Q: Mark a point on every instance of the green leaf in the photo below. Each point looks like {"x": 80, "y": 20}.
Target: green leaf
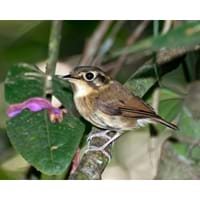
{"x": 190, "y": 115}
{"x": 144, "y": 78}
{"x": 189, "y": 120}
{"x": 192, "y": 65}
{"x": 22, "y": 82}
{"x": 170, "y": 105}
{"x": 188, "y": 125}
{"x": 141, "y": 81}
{"x": 48, "y": 147}
{"x": 175, "y": 81}
{"x": 170, "y": 108}
{"x": 185, "y": 35}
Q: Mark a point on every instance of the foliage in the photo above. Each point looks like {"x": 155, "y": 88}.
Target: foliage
{"x": 39, "y": 141}
{"x": 50, "y": 147}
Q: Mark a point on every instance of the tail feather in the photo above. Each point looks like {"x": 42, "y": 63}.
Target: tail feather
{"x": 165, "y": 123}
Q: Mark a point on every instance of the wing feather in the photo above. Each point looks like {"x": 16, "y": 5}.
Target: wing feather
{"x": 117, "y": 100}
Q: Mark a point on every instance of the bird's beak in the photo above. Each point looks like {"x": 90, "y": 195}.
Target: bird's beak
{"x": 65, "y": 77}
{"x": 68, "y": 77}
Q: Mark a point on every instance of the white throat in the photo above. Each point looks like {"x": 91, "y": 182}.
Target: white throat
{"x": 81, "y": 89}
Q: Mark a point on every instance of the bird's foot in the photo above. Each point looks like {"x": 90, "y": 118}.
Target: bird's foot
{"x": 101, "y": 149}
{"x": 104, "y": 146}
{"x": 99, "y": 134}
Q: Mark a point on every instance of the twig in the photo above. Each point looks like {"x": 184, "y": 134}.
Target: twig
{"x": 94, "y": 42}
{"x": 156, "y": 94}
{"x": 108, "y": 43}
{"x": 156, "y": 99}
{"x": 186, "y": 139}
{"x": 166, "y": 27}
{"x": 155, "y": 34}
{"x": 166, "y": 55}
{"x": 192, "y": 142}
{"x": 130, "y": 41}
{"x": 54, "y": 43}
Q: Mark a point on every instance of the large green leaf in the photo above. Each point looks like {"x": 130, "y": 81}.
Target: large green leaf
{"x": 144, "y": 78}
{"x": 185, "y": 35}
{"x": 189, "y": 121}
{"x": 190, "y": 115}
{"x": 170, "y": 105}
{"x": 48, "y": 147}
{"x": 188, "y": 125}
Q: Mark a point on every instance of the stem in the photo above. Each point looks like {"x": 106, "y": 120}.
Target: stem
{"x": 108, "y": 43}
{"x": 166, "y": 27}
{"x": 130, "y": 41}
{"x": 54, "y": 43}
{"x": 155, "y": 34}
{"x": 94, "y": 42}
{"x": 155, "y": 28}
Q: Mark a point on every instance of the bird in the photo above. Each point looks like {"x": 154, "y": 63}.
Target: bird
{"x": 109, "y": 105}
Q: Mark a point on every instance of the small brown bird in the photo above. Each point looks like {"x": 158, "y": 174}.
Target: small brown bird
{"x": 107, "y": 104}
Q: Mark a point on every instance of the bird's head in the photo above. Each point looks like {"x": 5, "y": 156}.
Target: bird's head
{"x": 87, "y": 79}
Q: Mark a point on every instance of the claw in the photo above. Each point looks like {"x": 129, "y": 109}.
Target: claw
{"x": 103, "y": 134}
{"x": 100, "y": 134}
{"x": 101, "y": 149}
{"x": 36, "y": 104}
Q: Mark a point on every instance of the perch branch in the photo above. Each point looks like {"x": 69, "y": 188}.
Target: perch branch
{"x": 92, "y": 163}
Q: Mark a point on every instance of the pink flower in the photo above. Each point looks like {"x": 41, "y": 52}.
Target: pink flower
{"x": 36, "y": 104}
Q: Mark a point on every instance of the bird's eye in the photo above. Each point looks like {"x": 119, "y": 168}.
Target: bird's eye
{"x": 89, "y": 76}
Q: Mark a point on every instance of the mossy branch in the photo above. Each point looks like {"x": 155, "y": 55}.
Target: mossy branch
{"x": 93, "y": 163}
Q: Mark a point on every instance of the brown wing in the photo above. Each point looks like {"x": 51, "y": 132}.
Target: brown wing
{"x": 117, "y": 100}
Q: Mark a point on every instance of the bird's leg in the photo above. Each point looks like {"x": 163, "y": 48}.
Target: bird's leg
{"x": 117, "y": 135}
{"x": 100, "y": 134}
{"x": 103, "y": 147}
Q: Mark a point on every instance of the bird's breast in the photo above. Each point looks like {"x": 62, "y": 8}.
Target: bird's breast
{"x": 89, "y": 111}
{"x": 83, "y": 105}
